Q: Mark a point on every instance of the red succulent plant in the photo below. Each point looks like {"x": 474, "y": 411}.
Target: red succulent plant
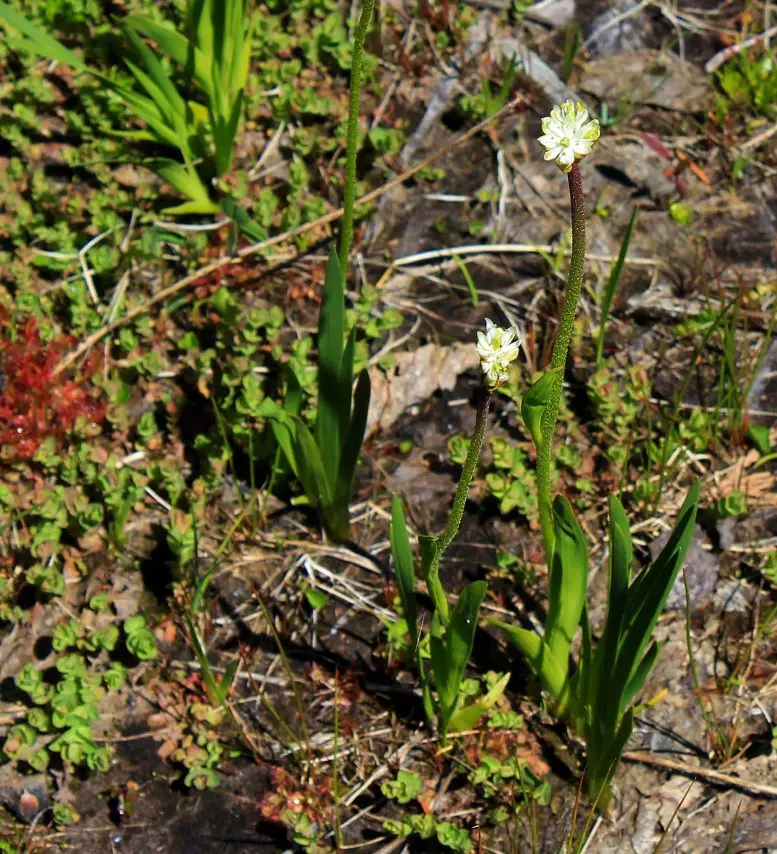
{"x": 36, "y": 402}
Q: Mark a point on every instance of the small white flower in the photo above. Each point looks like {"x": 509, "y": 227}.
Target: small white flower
{"x": 568, "y": 135}
{"x": 497, "y": 348}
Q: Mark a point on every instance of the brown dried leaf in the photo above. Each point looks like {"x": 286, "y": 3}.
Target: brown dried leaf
{"x": 418, "y": 375}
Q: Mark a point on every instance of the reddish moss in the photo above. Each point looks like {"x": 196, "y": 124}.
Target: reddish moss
{"x": 35, "y": 403}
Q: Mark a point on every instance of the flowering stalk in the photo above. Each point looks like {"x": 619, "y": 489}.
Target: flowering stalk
{"x": 560, "y": 350}
{"x": 352, "y": 131}
{"x": 496, "y": 348}
{"x": 568, "y": 136}
{"x": 467, "y": 473}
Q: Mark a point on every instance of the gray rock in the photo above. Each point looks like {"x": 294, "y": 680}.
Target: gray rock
{"x": 618, "y": 28}
{"x": 701, "y": 570}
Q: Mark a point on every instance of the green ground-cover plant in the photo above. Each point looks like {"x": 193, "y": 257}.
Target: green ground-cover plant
{"x": 63, "y": 710}
{"x": 404, "y": 789}
{"x": 214, "y": 55}
{"x": 748, "y": 85}
{"x": 597, "y": 695}
{"x": 487, "y": 102}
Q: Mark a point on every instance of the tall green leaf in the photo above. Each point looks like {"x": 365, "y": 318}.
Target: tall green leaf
{"x": 605, "y": 657}
{"x": 535, "y": 402}
{"x": 331, "y": 330}
{"x": 648, "y": 594}
{"x": 37, "y": 41}
{"x": 311, "y": 468}
{"x": 459, "y": 637}
{"x": 568, "y": 582}
{"x": 352, "y": 441}
{"x": 603, "y": 764}
{"x": 641, "y": 673}
{"x": 345, "y": 382}
{"x": 539, "y": 657}
{"x": 187, "y": 183}
{"x": 176, "y": 46}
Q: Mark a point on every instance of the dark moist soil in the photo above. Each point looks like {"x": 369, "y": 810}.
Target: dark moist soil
{"x": 169, "y": 819}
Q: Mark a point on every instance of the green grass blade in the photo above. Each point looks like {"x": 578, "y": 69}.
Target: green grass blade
{"x": 157, "y": 82}
{"x": 331, "y": 330}
{"x": 154, "y": 109}
{"x": 621, "y": 551}
{"x": 217, "y": 13}
{"x": 345, "y": 382}
{"x": 224, "y": 135}
{"x": 568, "y": 582}
{"x": 37, "y": 41}
{"x": 584, "y": 679}
{"x": 506, "y": 87}
{"x": 203, "y": 208}
{"x": 605, "y": 658}
{"x": 242, "y": 65}
{"x": 440, "y": 677}
{"x": 242, "y": 220}
{"x": 147, "y": 111}
{"x": 180, "y": 178}
{"x": 648, "y": 594}
{"x": 283, "y": 419}
{"x": 285, "y": 442}
{"x": 602, "y": 767}
{"x": 473, "y": 291}
{"x": 538, "y": 656}
{"x": 404, "y": 568}
{"x": 175, "y": 45}
{"x": 166, "y": 97}
{"x": 459, "y": 638}
{"x": 641, "y": 673}
{"x": 680, "y": 540}
{"x": 612, "y": 284}
{"x": 292, "y": 401}
{"x": 312, "y": 472}
{"x": 201, "y": 34}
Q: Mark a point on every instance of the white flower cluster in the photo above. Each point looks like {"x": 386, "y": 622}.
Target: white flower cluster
{"x": 568, "y": 135}
{"x": 497, "y": 348}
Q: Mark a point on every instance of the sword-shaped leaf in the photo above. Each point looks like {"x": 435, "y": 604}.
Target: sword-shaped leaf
{"x": 568, "y": 582}
{"x": 539, "y": 657}
{"x": 449, "y": 663}
{"x": 331, "y": 326}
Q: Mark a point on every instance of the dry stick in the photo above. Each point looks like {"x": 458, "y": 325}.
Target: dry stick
{"x": 247, "y": 251}
{"x": 746, "y": 786}
{"x": 727, "y": 52}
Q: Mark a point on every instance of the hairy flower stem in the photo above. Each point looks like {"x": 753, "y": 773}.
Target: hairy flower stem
{"x": 560, "y": 350}
{"x": 352, "y": 131}
{"x": 431, "y": 566}
{"x": 467, "y": 473}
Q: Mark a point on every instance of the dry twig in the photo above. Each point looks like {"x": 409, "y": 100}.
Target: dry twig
{"x": 715, "y": 777}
